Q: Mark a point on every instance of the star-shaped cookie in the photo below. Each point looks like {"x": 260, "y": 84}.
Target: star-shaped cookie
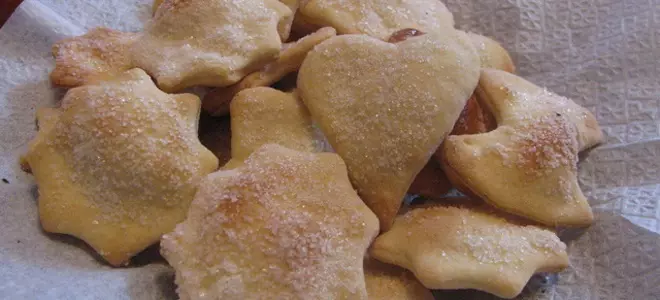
{"x": 377, "y": 18}
{"x": 118, "y": 164}
{"x": 386, "y": 107}
{"x": 187, "y": 43}
{"x": 284, "y": 225}
{"x": 217, "y": 101}
{"x": 469, "y": 248}
{"x": 528, "y": 165}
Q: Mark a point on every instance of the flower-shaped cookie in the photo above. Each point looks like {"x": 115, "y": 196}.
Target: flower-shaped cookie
{"x": 468, "y": 248}
{"x": 284, "y": 225}
{"x": 385, "y": 108}
{"x": 378, "y": 18}
{"x": 192, "y": 42}
{"x": 528, "y": 165}
{"x": 118, "y": 164}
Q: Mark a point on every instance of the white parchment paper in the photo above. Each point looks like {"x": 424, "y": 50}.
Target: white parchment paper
{"x": 602, "y": 53}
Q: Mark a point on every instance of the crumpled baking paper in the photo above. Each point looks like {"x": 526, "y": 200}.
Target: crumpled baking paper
{"x": 602, "y": 53}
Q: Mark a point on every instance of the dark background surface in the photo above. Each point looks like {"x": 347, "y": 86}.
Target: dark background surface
{"x": 7, "y": 7}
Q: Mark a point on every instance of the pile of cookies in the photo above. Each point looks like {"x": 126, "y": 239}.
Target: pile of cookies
{"x": 326, "y": 114}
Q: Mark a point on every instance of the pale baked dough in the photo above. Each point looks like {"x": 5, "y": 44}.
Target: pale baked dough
{"x": 118, "y": 164}
{"x": 263, "y": 115}
{"x": 377, "y": 18}
{"x": 217, "y": 101}
{"x": 283, "y": 27}
{"x": 528, "y": 165}
{"x": 496, "y": 86}
{"x": 187, "y": 43}
{"x": 431, "y": 182}
{"x": 492, "y": 54}
{"x": 98, "y": 53}
{"x": 389, "y": 282}
{"x": 285, "y": 225}
{"x": 385, "y": 108}
{"x": 468, "y": 248}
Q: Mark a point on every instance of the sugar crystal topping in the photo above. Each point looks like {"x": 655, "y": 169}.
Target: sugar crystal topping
{"x": 486, "y": 238}
{"x": 383, "y": 91}
{"x": 187, "y": 43}
{"x": 380, "y": 18}
{"x": 129, "y": 146}
{"x": 285, "y": 225}
{"x": 539, "y": 148}
{"x": 263, "y": 115}
{"x": 228, "y": 39}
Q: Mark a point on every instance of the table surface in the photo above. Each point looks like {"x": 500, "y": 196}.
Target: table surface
{"x": 7, "y": 7}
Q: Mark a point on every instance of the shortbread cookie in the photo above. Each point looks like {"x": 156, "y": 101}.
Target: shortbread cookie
{"x": 100, "y": 53}
{"x": 118, "y": 164}
{"x": 466, "y": 248}
{"x": 530, "y": 99}
{"x": 188, "y": 43}
{"x": 385, "y": 107}
{"x": 528, "y": 165}
{"x": 285, "y": 225}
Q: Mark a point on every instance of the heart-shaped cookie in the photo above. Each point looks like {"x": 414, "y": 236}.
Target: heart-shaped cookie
{"x": 386, "y": 107}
